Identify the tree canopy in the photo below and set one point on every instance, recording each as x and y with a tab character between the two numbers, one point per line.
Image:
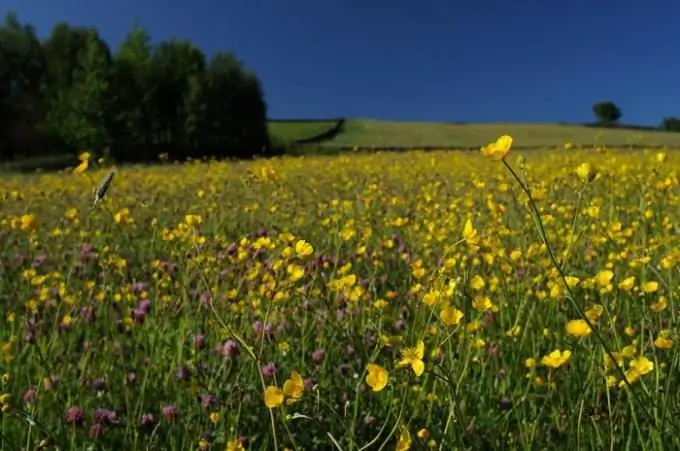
71	93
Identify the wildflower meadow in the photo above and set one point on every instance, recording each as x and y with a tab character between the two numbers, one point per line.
418	300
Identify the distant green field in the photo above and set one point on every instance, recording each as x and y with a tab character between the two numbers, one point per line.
291	131
369	133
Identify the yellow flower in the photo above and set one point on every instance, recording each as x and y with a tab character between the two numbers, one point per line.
627	284
499	149
470	235
122	216
414	357
82	167
662	342
295	272
451	316
556	358
235	445
638	368
193	220
273	397
404	441
303	249
5	400
586	172
603	278
293	388
215	417
377	377
650	287
28	223
661	157
578	328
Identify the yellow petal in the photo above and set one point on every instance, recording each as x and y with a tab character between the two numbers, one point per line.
418	367
420	349
82	167
504	143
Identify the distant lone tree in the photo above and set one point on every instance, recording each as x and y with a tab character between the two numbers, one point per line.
607	112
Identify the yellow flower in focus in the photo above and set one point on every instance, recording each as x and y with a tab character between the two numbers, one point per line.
303	249
499	149
273	397
556	358
578	328
377	377
414	357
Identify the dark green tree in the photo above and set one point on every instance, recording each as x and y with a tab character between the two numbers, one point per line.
234	121
607	112
132	84
176	66
22	70
671	124
80	113
68	94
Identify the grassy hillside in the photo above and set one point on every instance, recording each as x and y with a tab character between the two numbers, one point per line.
300	130
369	133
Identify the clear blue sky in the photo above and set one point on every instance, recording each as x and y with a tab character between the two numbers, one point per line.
479	60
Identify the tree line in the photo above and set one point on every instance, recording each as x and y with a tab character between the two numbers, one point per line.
608	114
70	92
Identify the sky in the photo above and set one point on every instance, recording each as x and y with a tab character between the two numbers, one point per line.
426	60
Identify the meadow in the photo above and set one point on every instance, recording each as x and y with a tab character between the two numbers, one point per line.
415	300
382	134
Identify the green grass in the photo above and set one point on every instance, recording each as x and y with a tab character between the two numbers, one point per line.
291	131
368	133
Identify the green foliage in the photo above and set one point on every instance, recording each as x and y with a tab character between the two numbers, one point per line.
70	94
607	112
671	124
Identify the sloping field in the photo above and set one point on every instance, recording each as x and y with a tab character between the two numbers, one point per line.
301	130
373	133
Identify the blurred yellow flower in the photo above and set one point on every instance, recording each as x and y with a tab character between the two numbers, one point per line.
82	167
303	249
556	358
586	172
451	316
578	328
404	442
470	235
28	223
293	388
